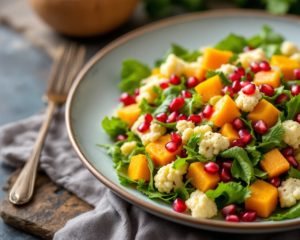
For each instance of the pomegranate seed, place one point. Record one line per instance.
(121, 137)
(136, 92)
(238, 124)
(255, 67)
(175, 80)
(195, 118)
(179, 205)
(292, 160)
(176, 138)
(164, 85)
(186, 94)
(148, 118)
(162, 117)
(249, 89)
(267, 89)
(297, 74)
(245, 136)
(275, 181)
(288, 151)
(260, 127)
(241, 71)
(227, 165)
(244, 83)
(192, 82)
(181, 117)
(248, 48)
(236, 86)
(234, 76)
(281, 98)
(249, 77)
(208, 111)
(176, 104)
(126, 99)
(248, 216)
(144, 127)
(228, 90)
(183, 153)
(172, 117)
(232, 218)
(237, 143)
(298, 118)
(295, 90)
(211, 167)
(171, 146)
(225, 175)
(264, 66)
(228, 210)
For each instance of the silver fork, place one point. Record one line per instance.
(61, 78)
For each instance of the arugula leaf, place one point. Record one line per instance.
(151, 169)
(118, 158)
(146, 107)
(294, 173)
(132, 73)
(114, 126)
(183, 53)
(266, 36)
(165, 105)
(290, 213)
(232, 42)
(192, 148)
(293, 107)
(242, 167)
(224, 79)
(254, 154)
(227, 193)
(166, 125)
(192, 104)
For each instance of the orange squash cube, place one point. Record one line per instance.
(200, 178)
(209, 88)
(274, 163)
(265, 111)
(195, 72)
(271, 78)
(138, 168)
(225, 110)
(214, 58)
(129, 113)
(286, 65)
(158, 152)
(228, 131)
(263, 199)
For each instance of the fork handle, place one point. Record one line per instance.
(22, 190)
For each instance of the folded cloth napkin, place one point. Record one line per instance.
(112, 217)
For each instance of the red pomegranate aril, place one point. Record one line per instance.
(121, 137)
(148, 118)
(232, 218)
(195, 118)
(162, 117)
(126, 99)
(282, 98)
(249, 89)
(244, 83)
(292, 160)
(225, 175)
(176, 104)
(297, 73)
(237, 143)
(228, 210)
(186, 94)
(288, 151)
(136, 92)
(179, 205)
(228, 90)
(267, 89)
(164, 85)
(172, 146)
(176, 138)
(211, 167)
(183, 153)
(260, 127)
(236, 86)
(175, 80)
(234, 76)
(249, 77)
(238, 124)
(297, 118)
(172, 117)
(295, 90)
(241, 71)
(245, 136)
(192, 82)
(144, 127)
(264, 66)
(208, 111)
(248, 216)
(227, 165)
(275, 181)
(182, 117)
(255, 67)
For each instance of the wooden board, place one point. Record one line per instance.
(49, 210)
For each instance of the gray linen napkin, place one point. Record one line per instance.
(112, 218)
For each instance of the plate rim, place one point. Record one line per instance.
(209, 224)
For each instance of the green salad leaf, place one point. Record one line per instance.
(293, 107)
(192, 104)
(227, 193)
(254, 154)
(151, 169)
(146, 107)
(192, 148)
(232, 42)
(260, 174)
(290, 213)
(165, 105)
(114, 126)
(224, 79)
(294, 173)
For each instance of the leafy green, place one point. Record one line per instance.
(278, 91)
(232, 42)
(192, 104)
(294, 173)
(132, 73)
(151, 169)
(165, 105)
(279, 6)
(260, 174)
(118, 158)
(293, 107)
(242, 167)
(146, 107)
(227, 193)
(290, 213)
(114, 126)
(166, 125)
(192, 148)
(224, 79)
(254, 154)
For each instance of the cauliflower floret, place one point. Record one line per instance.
(289, 192)
(212, 143)
(201, 206)
(187, 134)
(227, 69)
(128, 147)
(173, 65)
(296, 57)
(181, 125)
(248, 102)
(256, 55)
(193, 68)
(201, 130)
(168, 178)
(288, 48)
(291, 133)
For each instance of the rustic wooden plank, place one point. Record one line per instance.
(49, 210)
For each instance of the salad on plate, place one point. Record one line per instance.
(213, 132)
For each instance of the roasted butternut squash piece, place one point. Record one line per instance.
(200, 178)
(274, 163)
(129, 113)
(214, 58)
(228, 131)
(286, 65)
(271, 78)
(209, 88)
(225, 110)
(263, 199)
(195, 72)
(138, 168)
(265, 111)
(158, 152)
